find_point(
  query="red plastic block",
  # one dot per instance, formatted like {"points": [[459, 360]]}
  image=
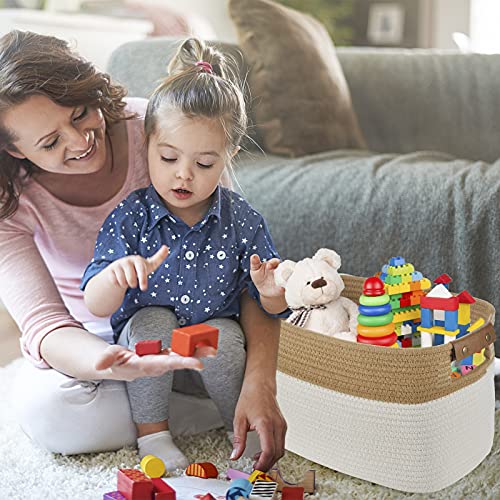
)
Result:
{"points": [[404, 302], [134, 484], [162, 491], [185, 340], [440, 304], [208, 496], [148, 347], [206, 470], [292, 493]]}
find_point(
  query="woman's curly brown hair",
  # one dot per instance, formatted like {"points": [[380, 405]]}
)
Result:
{"points": [[34, 64]]}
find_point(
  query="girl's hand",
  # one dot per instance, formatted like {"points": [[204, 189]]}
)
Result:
{"points": [[122, 364], [131, 271], [262, 274]]}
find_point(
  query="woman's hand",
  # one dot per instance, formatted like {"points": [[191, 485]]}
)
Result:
{"points": [[258, 410], [119, 363], [133, 270]]}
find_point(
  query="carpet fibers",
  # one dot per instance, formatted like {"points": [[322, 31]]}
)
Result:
{"points": [[29, 472]]}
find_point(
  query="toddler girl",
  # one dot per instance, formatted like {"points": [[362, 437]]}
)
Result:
{"points": [[185, 250]]}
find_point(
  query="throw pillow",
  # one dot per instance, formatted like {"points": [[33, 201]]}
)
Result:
{"points": [[302, 103]]}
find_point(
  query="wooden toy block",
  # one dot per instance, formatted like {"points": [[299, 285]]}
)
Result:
{"points": [[186, 339], [208, 496], [308, 483], [162, 491], [236, 474], [292, 493], [235, 493], [263, 490], [258, 475], [241, 487], [205, 470], [134, 484], [113, 495], [148, 347], [152, 466], [440, 303]]}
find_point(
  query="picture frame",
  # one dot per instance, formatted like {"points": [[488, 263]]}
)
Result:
{"points": [[386, 24]]}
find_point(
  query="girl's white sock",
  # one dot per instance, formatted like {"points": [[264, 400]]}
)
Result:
{"points": [[161, 445], [253, 443]]}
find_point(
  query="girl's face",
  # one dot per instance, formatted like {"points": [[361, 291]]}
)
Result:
{"points": [[186, 158], [58, 139]]}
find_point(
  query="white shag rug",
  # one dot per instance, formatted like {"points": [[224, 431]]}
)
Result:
{"points": [[29, 472]]}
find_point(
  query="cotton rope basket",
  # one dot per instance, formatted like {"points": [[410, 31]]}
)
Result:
{"points": [[390, 416]]}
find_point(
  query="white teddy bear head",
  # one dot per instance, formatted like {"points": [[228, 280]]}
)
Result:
{"points": [[311, 281]]}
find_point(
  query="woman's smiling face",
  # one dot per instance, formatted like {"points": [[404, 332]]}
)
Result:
{"points": [[58, 139]]}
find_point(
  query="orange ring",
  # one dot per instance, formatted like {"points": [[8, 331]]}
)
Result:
{"points": [[375, 331]]}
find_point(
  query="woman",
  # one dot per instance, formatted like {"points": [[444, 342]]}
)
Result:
{"points": [[71, 148]]}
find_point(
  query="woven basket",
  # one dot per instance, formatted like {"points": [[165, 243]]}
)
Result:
{"points": [[391, 416]]}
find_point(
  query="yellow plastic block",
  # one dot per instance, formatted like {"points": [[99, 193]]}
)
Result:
{"points": [[478, 358], [258, 475], [406, 316], [152, 466], [439, 330], [463, 314], [400, 288], [400, 270], [477, 324]]}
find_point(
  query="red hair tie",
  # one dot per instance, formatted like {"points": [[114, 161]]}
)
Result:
{"points": [[205, 66]]}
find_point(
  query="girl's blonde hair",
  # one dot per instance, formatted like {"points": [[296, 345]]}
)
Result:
{"points": [[199, 89], [34, 64]]}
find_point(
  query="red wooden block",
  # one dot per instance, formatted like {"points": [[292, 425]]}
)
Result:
{"points": [[208, 496], [134, 484], [162, 491], [205, 470], [148, 347], [439, 303], [292, 493], [185, 340]]}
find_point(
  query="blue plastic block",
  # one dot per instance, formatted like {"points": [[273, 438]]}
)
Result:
{"points": [[438, 322], [451, 320], [438, 339], [385, 269], [397, 261], [383, 276], [426, 318], [416, 276]]}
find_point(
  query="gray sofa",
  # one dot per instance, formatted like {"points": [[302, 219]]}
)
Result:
{"points": [[427, 189]]}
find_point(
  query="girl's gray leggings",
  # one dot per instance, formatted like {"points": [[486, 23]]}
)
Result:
{"points": [[221, 377]]}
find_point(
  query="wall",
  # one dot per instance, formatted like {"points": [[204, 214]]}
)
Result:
{"points": [[438, 19]]}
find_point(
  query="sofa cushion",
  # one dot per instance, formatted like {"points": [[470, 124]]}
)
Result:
{"points": [[301, 99]]}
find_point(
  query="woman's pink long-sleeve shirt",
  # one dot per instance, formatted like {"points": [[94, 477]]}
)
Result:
{"points": [[46, 245]]}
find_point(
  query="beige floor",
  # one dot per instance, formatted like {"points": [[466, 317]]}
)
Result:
{"points": [[9, 339]]}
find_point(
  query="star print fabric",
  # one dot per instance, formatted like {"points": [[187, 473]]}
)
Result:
{"points": [[208, 265]]}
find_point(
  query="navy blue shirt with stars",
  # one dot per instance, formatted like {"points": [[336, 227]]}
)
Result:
{"points": [[208, 265]]}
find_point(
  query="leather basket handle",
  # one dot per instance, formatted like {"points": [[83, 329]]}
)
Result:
{"points": [[472, 342]]}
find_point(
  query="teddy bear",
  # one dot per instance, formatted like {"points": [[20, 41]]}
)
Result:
{"points": [[312, 292]]}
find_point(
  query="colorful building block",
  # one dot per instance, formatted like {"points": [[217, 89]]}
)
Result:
{"points": [[113, 495], [258, 475], [148, 347], [236, 474], [263, 490], [292, 493], [205, 470], [308, 482], [185, 340], [152, 466], [162, 490], [134, 484], [208, 496]]}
